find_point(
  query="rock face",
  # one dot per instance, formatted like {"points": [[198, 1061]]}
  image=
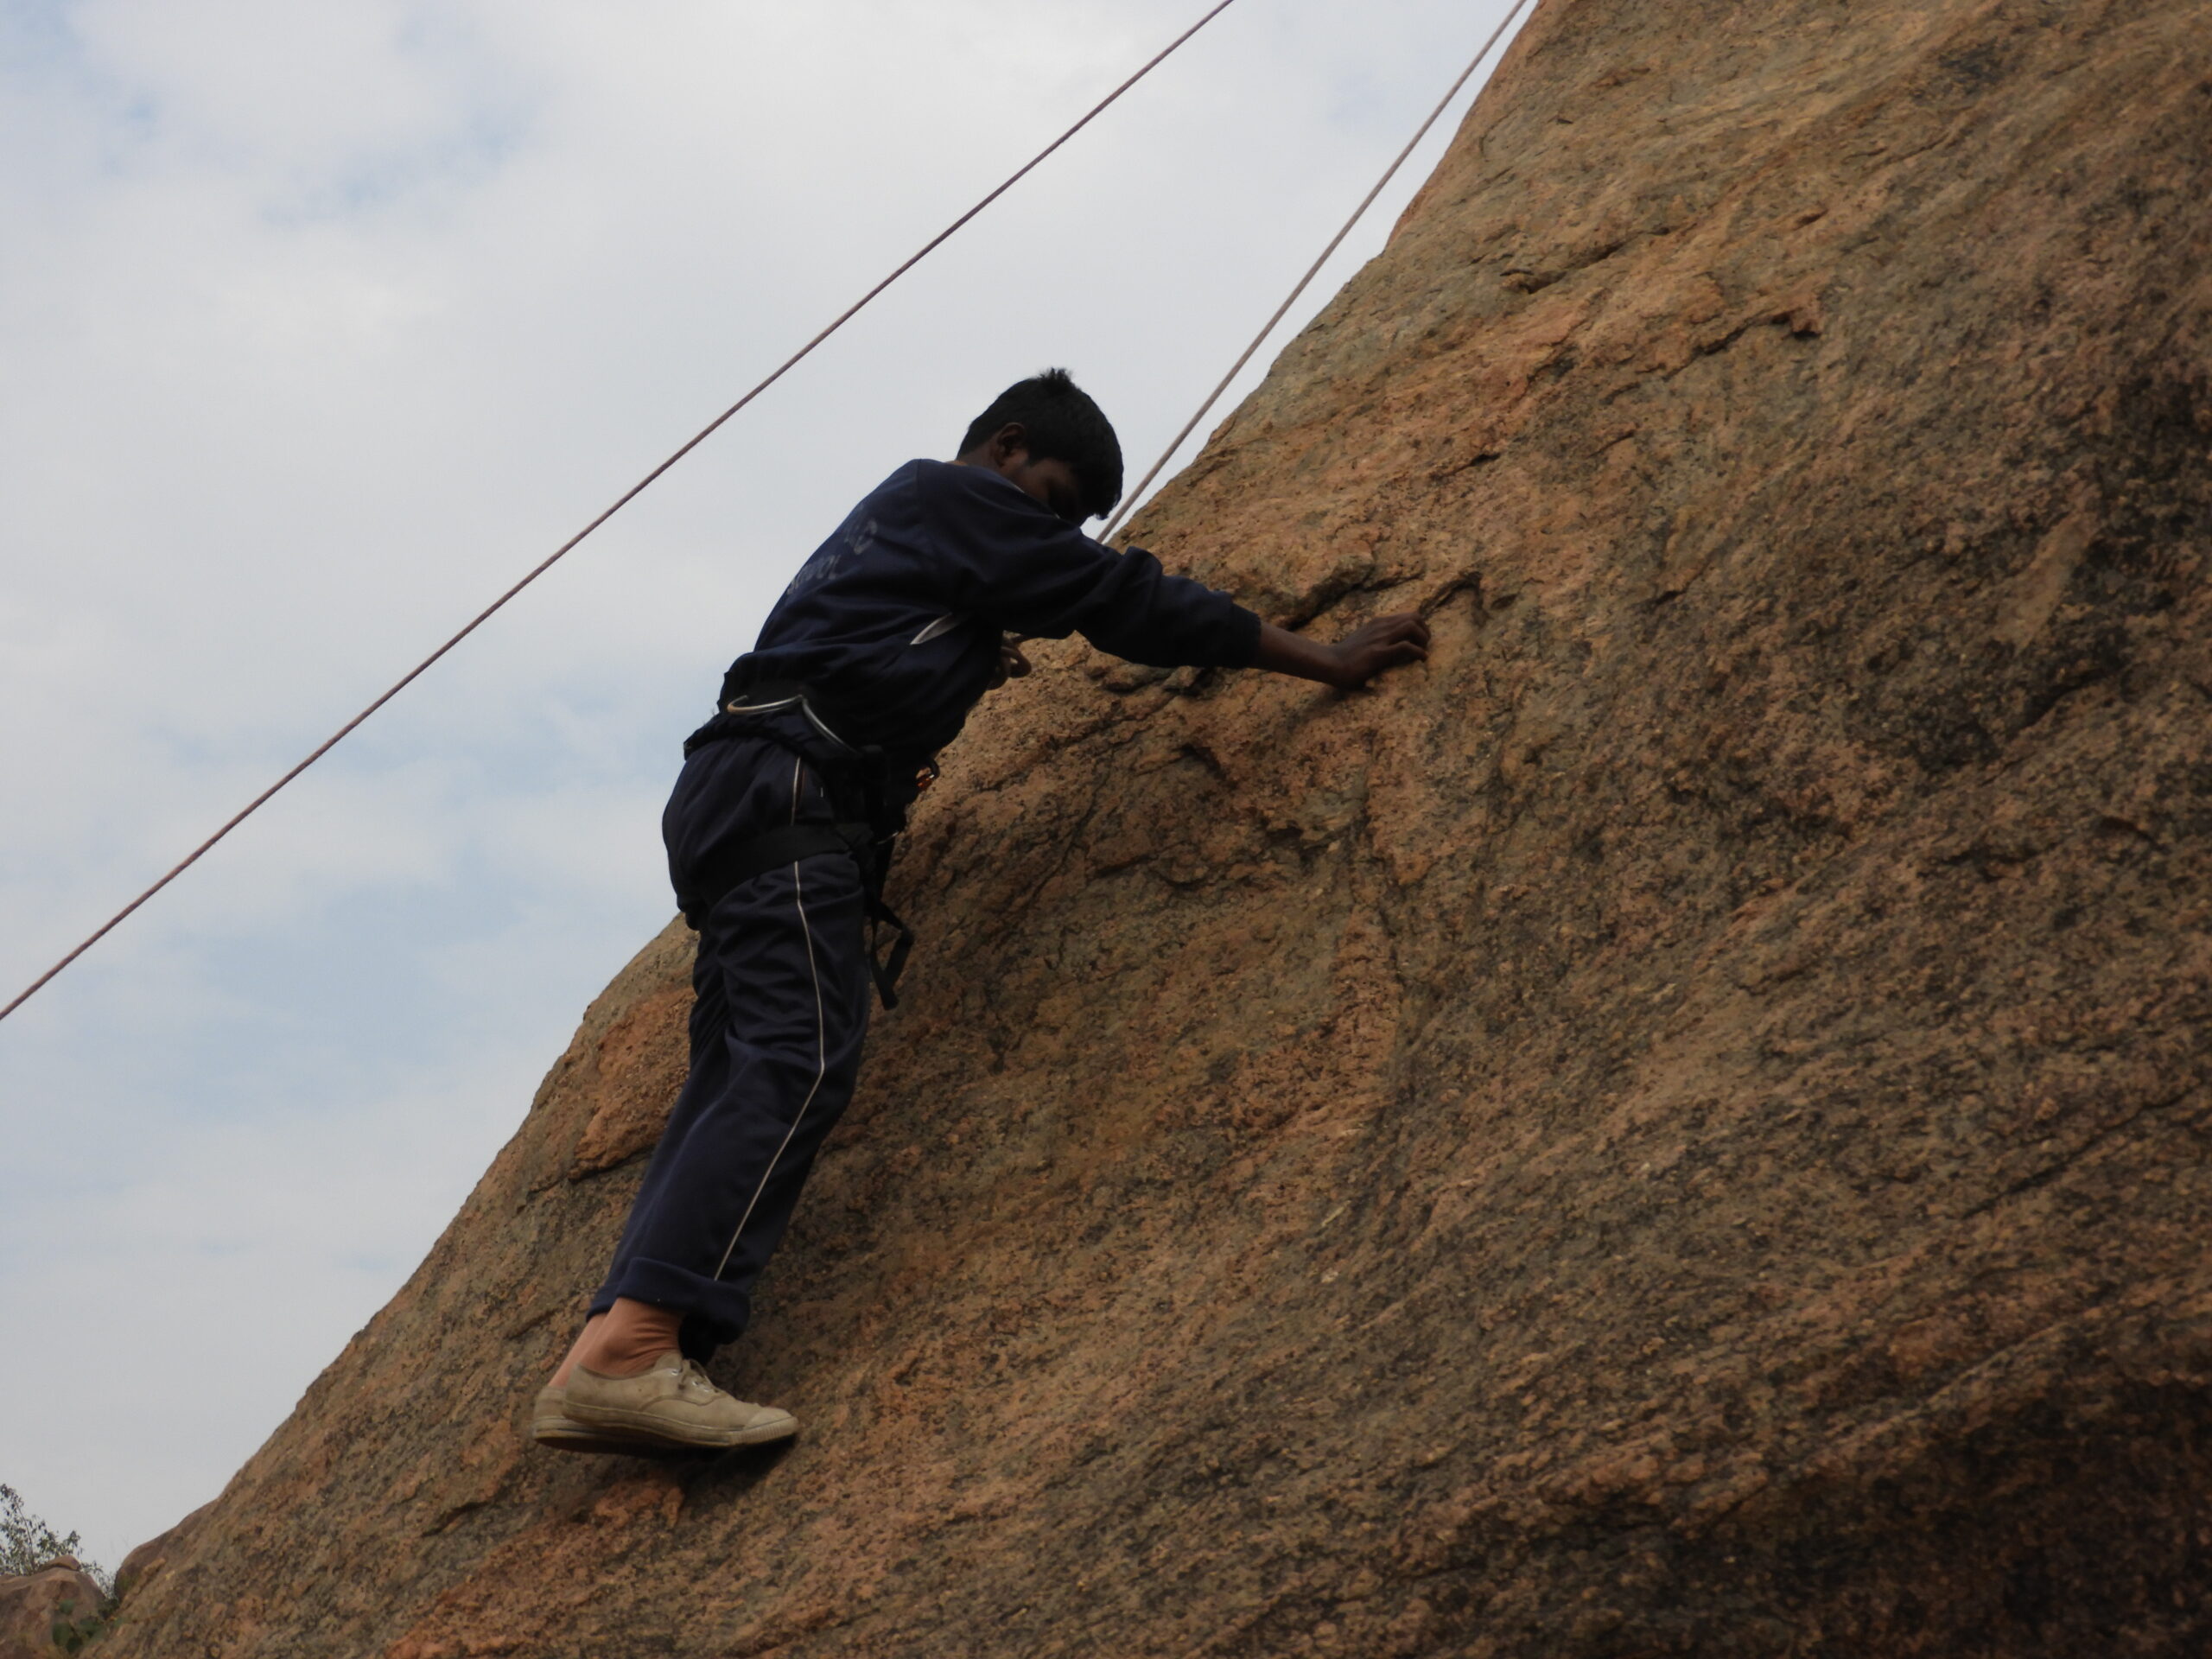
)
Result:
{"points": [[1679, 1128]]}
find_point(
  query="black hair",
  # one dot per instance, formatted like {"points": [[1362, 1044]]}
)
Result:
{"points": [[1063, 424]]}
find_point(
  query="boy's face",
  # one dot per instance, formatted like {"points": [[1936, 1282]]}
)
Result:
{"points": [[1051, 483]]}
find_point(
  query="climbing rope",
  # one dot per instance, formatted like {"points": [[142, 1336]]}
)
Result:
{"points": [[1130, 501], [620, 501]]}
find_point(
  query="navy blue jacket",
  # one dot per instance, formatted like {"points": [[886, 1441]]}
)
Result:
{"points": [[894, 622]]}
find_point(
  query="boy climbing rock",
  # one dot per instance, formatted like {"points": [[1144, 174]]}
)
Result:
{"points": [[777, 832]]}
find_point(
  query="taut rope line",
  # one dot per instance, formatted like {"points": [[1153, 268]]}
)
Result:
{"points": [[1130, 501], [621, 501]]}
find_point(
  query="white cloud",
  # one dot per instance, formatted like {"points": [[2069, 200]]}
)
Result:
{"points": [[324, 323]]}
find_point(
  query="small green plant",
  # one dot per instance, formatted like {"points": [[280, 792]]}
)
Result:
{"points": [[70, 1635]]}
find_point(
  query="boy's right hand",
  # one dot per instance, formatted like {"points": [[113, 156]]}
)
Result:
{"points": [[1013, 665], [1387, 642]]}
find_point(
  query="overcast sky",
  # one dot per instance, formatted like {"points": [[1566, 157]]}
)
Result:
{"points": [[320, 325]]}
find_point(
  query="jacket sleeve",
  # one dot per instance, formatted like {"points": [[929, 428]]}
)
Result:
{"points": [[1008, 560]]}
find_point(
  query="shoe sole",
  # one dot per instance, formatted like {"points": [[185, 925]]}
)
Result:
{"points": [[637, 1428], [564, 1434]]}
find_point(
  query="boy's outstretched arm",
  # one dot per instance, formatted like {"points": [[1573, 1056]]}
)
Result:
{"points": [[1388, 642]]}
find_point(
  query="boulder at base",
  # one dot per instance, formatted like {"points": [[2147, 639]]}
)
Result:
{"points": [[31, 1604], [1678, 1128]]}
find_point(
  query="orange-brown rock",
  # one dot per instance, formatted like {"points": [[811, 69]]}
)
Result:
{"points": [[151, 1557], [1678, 1128]]}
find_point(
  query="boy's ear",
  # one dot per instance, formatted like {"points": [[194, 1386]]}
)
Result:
{"points": [[1000, 449]]}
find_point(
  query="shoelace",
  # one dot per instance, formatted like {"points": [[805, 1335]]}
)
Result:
{"points": [[693, 1380]]}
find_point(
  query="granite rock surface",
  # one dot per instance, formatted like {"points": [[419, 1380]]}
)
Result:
{"points": [[1680, 1127], [143, 1563]]}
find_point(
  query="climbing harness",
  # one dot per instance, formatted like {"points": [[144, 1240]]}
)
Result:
{"points": [[868, 794]]}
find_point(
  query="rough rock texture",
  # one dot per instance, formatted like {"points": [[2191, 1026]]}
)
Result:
{"points": [[1679, 1128], [32, 1604], [151, 1557]]}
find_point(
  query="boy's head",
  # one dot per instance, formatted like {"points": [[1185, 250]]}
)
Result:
{"points": [[1056, 422]]}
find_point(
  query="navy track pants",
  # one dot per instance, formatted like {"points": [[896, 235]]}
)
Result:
{"points": [[782, 994]]}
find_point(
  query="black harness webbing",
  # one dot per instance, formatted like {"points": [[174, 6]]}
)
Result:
{"points": [[747, 859], [740, 863], [850, 775]]}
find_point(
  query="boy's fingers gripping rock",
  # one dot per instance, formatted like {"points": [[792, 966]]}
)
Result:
{"points": [[1388, 642]]}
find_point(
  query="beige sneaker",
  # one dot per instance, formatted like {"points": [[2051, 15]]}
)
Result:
{"points": [[673, 1404]]}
